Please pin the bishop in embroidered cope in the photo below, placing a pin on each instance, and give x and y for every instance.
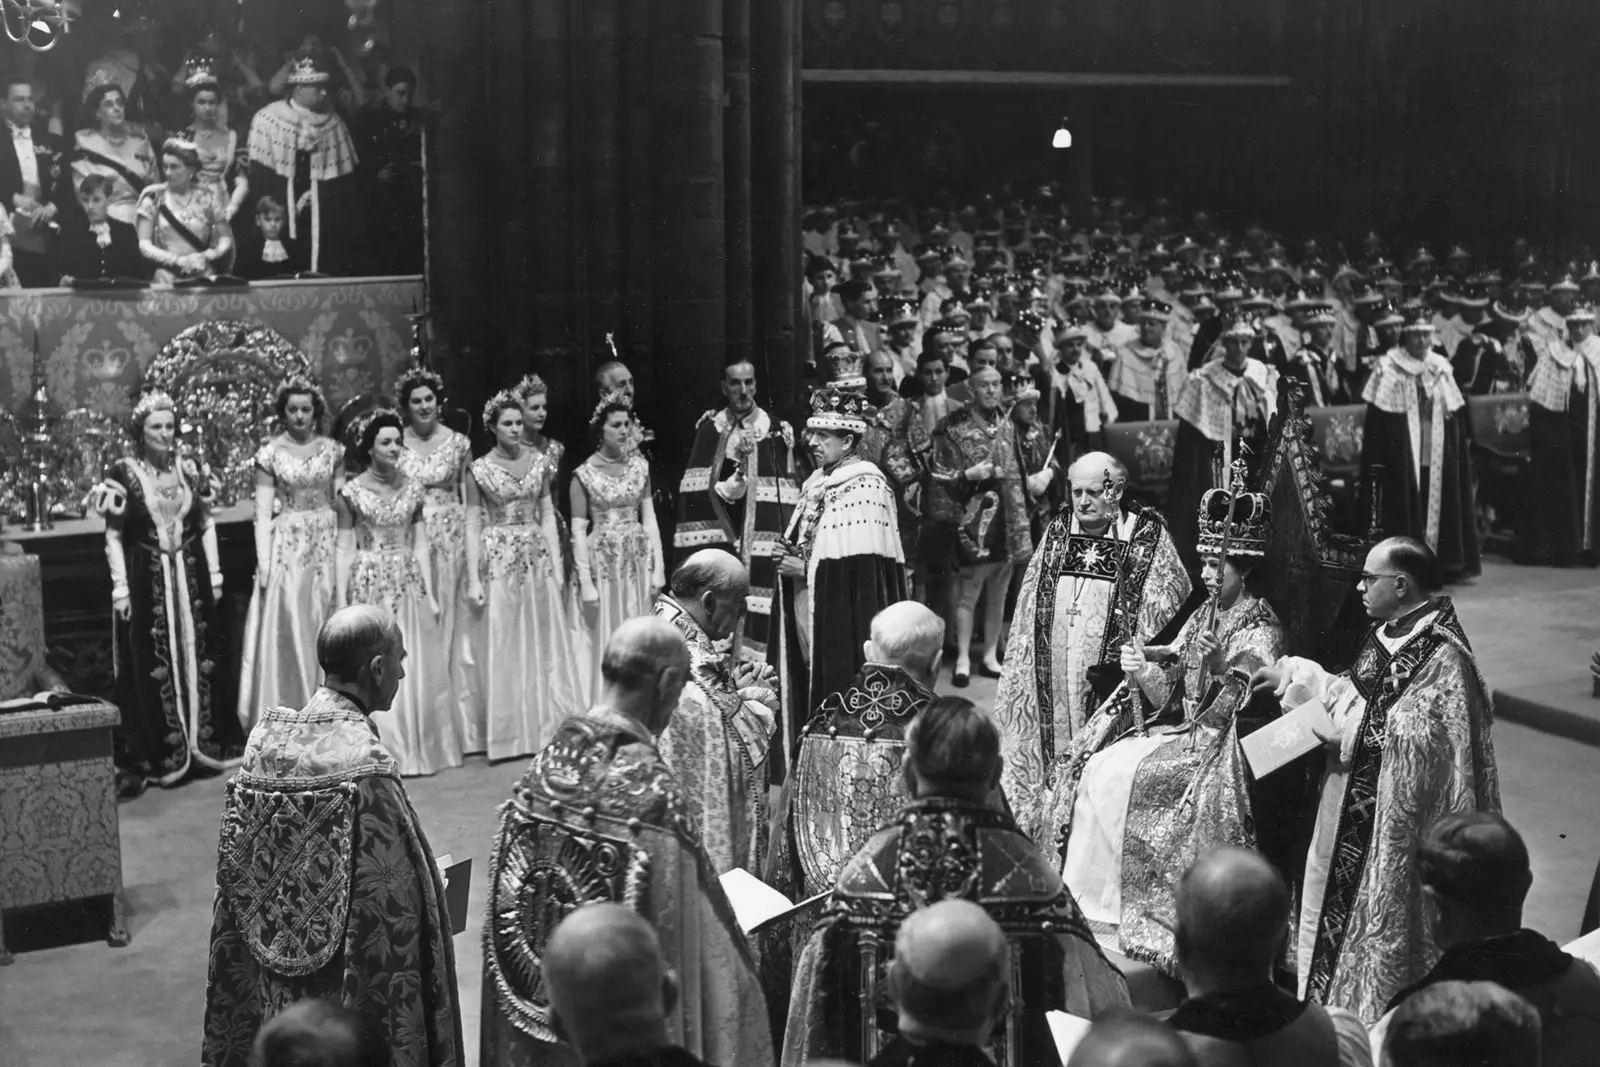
(326, 887)
(1410, 743)
(600, 816)
(1100, 578)
(718, 739)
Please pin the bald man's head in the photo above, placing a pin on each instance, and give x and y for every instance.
(644, 668)
(1233, 914)
(360, 650)
(608, 982)
(908, 635)
(319, 1033)
(712, 586)
(949, 975)
(1130, 1040)
(1095, 482)
(1091, 468)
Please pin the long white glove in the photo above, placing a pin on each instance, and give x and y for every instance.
(580, 556)
(118, 564)
(474, 555)
(658, 561)
(265, 495)
(1040, 481)
(208, 545)
(344, 559)
(552, 539)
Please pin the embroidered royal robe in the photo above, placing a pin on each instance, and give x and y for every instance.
(1413, 717)
(717, 744)
(1134, 809)
(750, 526)
(599, 816)
(1081, 599)
(937, 849)
(326, 887)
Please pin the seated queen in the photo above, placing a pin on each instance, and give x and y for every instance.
(1156, 775)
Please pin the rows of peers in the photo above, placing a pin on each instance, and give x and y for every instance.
(211, 171)
(1125, 316)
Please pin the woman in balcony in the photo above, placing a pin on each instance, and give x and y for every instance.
(224, 164)
(183, 231)
(113, 147)
(299, 474)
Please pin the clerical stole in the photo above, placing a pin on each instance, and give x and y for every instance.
(1415, 718)
(1083, 597)
(764, 447)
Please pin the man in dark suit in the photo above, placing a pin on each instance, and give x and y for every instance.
(30, 164)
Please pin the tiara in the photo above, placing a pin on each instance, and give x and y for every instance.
(178, 144)
(151, 402)
(505, 398)
(610, 400)
(358, 428)
(101, 76)
(531, 385)
(299, 383)
(420, 376)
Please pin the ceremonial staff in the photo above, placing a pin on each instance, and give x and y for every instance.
(1235, 491)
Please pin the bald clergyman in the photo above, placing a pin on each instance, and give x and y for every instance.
(718, 741)
(1102, 577)
(599, 816)
(326, 884)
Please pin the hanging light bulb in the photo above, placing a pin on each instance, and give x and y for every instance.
(1063, 137)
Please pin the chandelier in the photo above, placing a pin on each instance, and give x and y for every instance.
(39, 24)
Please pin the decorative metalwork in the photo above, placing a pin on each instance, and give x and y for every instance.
(224, 376)
(39, 24)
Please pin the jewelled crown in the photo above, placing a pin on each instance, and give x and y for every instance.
(1251, 523)
(844, 365)
(836, 408)
(308, 70)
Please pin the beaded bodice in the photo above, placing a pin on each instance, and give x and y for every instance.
(614, 498)
(438, 471)
(383, 521)
(509, 500)
(303, 483)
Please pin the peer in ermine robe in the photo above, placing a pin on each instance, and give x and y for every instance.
(1418, 429)
(599, 815)
(941, 848)
(1148, 374)
(1413, 718)
(743, 512)
(846, 536)
(1082, 598)
(1563, 402)
(1135, 809)
(717, 745)
(326, 887)
(1223, 413)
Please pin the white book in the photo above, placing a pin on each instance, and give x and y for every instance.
(754, 901)
(1068, 1030)
(1290, 737)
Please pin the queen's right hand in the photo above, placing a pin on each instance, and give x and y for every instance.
(1132, 659)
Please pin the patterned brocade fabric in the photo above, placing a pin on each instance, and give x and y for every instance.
(599, 816)
(327, 887)
(945, 849)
